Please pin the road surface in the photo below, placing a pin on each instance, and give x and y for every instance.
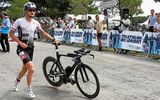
(122, 77)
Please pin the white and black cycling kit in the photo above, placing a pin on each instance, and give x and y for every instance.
(26, 31)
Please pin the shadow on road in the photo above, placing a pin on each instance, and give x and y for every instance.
(44, 93)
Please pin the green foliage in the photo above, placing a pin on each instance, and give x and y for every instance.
(52, 12)
(58, 8)
(157, 0)
(139, 19)
(82, 7)
(16, 10)
(133, 5)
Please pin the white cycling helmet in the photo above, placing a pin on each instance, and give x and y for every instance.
(29, 5)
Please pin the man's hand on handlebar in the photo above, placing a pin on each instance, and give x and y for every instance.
(56, 42)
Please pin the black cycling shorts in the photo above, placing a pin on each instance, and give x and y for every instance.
(99, 35)
(26, 55)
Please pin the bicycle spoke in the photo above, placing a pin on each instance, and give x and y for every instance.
(87, 81)
(50, 69)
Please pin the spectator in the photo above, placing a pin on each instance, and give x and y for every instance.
(152, 20)
(90, 23)
(71, 23)
(156, 27)
(6, 25)
(124, 26)
(99, 32)
(104, 26)
(125, 23)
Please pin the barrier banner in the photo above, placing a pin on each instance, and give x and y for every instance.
(151, 43)
(94, 38)
(87, 36)
(58, 34)
(67, 35)
(105, 41)
(129, 40)
(77, 35)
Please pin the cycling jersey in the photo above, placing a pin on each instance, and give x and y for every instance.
(27, 29)
(26, 32)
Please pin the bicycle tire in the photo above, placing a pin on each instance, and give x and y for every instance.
(48, 76)
(97, 89)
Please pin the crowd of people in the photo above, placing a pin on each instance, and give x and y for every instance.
(151, 41)
(72, 23)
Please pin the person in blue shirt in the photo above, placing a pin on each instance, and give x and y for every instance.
(5, 29)
(152, 20)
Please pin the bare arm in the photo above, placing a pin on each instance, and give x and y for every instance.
(156, 30)
(46, 35)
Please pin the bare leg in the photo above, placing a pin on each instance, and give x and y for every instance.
(30, 69)
(99, 43)
(22, 72)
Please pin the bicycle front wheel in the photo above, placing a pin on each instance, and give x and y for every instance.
(50, 70)
(87, 81)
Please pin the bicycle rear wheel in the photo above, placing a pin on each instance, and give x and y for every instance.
(87, 81)
(50, 68)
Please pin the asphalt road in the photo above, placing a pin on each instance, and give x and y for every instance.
(122, 77)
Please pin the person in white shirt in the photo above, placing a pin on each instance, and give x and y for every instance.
(71, 23)
(157, 24)
(90, 23)
(26, 27)
(124, 26)
(125, 23)
(99, 32)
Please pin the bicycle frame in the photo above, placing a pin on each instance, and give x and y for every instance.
(82, 73)
(76, 60)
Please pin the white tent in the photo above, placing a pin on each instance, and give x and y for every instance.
(79, 17)
(144, 23)
(69, 15)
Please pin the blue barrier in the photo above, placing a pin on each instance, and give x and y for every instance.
(67, 35)
(129, 40)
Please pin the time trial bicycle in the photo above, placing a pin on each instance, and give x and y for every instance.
(84, 76)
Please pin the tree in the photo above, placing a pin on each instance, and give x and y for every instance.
(4, 4)
(82, 7)
(16, 9)
(157, 0)
(58, 8)
(134, 6)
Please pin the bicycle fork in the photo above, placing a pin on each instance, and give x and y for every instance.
(84, 74)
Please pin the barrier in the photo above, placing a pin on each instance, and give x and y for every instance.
(129, 40)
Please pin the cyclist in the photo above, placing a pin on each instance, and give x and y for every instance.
(26, 27)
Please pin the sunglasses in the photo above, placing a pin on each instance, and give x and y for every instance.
(31, 10)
